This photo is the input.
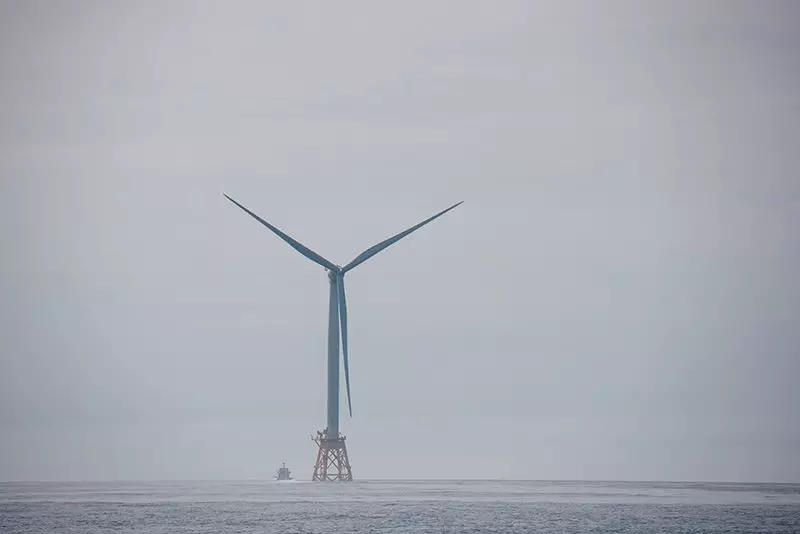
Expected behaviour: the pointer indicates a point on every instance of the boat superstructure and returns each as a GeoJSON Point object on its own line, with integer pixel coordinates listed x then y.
{"type": "Point", "coordinates": [284, 473]}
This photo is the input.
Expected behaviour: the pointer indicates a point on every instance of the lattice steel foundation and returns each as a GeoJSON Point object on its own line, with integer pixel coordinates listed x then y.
{"type": "Point", "coordinates": [333, 465]}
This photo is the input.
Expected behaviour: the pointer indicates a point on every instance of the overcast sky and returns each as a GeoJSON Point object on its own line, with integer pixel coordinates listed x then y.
{"type": "Point", "coordinates": [618, 297]}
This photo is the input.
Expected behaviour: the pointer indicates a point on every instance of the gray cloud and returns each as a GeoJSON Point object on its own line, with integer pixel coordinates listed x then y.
{"type": "Point", "coordinates": [617, 298]}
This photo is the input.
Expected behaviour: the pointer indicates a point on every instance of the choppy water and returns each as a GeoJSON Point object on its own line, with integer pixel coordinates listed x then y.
{"type": "Point", "coordinates": [400, 507]}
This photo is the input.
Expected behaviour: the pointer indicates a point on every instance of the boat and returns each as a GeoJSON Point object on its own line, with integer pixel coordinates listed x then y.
{"type": "Point", "coordinates": [284, 473]}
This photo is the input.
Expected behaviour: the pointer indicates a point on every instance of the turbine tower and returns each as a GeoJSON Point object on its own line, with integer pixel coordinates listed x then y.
{"type": "Point", "coordinates": [333, 463]}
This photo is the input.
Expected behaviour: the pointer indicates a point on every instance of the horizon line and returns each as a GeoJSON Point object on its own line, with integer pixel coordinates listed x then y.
{"type": "Point", "coordinates": [546, 480]}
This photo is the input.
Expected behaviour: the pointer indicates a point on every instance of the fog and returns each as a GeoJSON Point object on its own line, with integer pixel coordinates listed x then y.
{"type": "Point", "coordinates": [617, 298]}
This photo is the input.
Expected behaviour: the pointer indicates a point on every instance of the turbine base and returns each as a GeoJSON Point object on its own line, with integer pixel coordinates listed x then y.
{"type": "Point", "coordinates": [333, 464]}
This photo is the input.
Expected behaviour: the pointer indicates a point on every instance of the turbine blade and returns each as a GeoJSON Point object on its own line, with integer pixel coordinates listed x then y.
{"type": "Point", "coordinates": [343, 322]}
{"type": "Point", "coordinates": [367, 254]}
{"type": "Point", "coordinates": [299, 247]}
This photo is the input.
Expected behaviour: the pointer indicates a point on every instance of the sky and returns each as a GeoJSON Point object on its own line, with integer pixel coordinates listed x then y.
{"type": "Point", "coordinates": [617, 298]}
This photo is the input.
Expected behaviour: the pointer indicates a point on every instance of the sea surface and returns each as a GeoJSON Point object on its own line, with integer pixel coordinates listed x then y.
{"type": "Point", "coordinates": [399, 507]}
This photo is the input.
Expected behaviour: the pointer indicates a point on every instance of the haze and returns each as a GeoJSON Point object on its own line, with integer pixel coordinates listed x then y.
{"type": "Point", "coordinates": [617, 298]}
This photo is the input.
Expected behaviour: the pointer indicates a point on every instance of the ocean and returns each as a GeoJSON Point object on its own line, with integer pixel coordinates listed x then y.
{"type": "Point", "coordinates": [398, 507]}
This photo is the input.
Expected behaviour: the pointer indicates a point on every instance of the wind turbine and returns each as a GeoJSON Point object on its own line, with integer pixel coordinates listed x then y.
{"type": "Point", "coordinates": [332, 460]}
